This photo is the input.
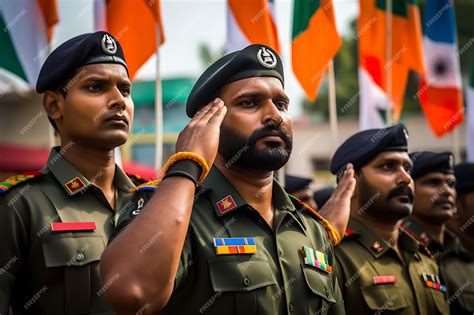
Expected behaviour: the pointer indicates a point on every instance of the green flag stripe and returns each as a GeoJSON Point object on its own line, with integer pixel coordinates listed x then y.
{"type": "Point", "coordinates": [303, 10]}
{"type": "Point", "coordinates": [399, 7]}
{"type": "Point", "coordinates": [8, 57]}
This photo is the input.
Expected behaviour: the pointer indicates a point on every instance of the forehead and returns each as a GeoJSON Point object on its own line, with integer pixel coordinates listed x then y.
{"type": "Point", "coordinates": [105, 70]}
{"type": "Point", "coordinates": [253, 85]}
{"type": "Point", "coordinates": [436, 175]}
{"type": "Point", "coordinates": [398, 156]}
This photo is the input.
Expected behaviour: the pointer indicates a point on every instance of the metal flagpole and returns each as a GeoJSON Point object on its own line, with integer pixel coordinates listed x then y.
{"type": "Point", "coordinates": [387, 66]}
{"type": "Point", "coordinates": [158, 107]}
{"type": "Point", "coordinates": [332, 103]}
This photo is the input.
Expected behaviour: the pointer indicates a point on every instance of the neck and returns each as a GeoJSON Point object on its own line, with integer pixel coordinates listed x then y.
{"type": "Point", "coordinates": [253, 185]}
{"type": "Point", "coordinates": [98, 166]}
{"type": "Point", "coordinates": [435, 231]}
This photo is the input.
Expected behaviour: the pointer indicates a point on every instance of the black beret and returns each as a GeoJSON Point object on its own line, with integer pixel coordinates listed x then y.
{"type": "Point", "coordinates": [295, 183]}
{"type": "Point", "coordinates": [425, 162]}
{"type": "Point", "coordinates": [464, 173]}
{"type": "Point", "coordinates": [363, 146]}
{"type": "Point", "coordinates": [321, 196]}
{"type": "Point", "coordinates": [252, 61]}
{"type": "Point", "coordinates": [85, 49]}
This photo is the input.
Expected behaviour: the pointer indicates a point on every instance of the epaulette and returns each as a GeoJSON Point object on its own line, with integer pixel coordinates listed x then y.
{"type": "Point", "coordinates": [13, 181]}
{"type": "Point", "coordinates": [333, 234]}
{"type": "Point", "coordinates": [137, 179]}
{"type": "Point", "coordinates": [148, 186]}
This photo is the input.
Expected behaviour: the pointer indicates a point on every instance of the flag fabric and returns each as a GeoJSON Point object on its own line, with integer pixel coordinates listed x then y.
{"type": "Point", "coordinates": [315, 42]}
{"type": "Point", "coordinates": [440, 89]}
{"type": "Point", "coordinates": [134, 24]}
{"type": "Point", "coordinates": [251, 22]}
{"type": "Point", "coordinates": [405, 55]}
{"type": "Point", "coordinates": [27, 27]}
{"type": "Point", "coordinates": [470, 113]}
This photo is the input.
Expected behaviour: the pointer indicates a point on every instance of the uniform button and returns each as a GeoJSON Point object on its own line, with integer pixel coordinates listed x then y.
{"type": "Point", "coordinates": [246, 281]}
{"type": "Point", "coordinates": [291, 307]}
{"type": "Point", "coordinates": [80, 257]}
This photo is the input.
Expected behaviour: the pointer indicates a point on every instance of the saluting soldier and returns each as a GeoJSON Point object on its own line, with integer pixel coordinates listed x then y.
{"type": "Point", "coordinates": [435, 205]}
{"type": "Point", "coordinates": [230, 241]}
{"type": "Point", "coordinates": [381, 269]}
{"type": "Point", "coordinates": [55, 223]}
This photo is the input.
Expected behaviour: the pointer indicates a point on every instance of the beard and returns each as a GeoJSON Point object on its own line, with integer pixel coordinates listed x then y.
{"type": "Point", "coordinates": [240, 151]}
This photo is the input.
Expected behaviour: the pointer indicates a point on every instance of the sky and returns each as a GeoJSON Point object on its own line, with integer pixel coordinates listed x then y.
{"type": "Point", "coordinates": [189, 23]}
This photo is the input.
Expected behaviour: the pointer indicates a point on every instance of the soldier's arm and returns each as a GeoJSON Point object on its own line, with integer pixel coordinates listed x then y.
{"type": "Point", "coordinates": [13, 244]}
{"type": "Point", "coordinates": [146, 278]}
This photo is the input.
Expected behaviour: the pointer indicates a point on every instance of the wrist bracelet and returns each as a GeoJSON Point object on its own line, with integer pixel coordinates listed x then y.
{"type": "Point", "coordinates": [187, 156]}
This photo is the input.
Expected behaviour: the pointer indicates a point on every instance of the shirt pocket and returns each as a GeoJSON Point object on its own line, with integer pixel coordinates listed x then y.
{"type": "Point", "coordinates": [320, 285]}
{"type": "Point", "coordinates": [385, 297]}
{"type": "Point", "coordinates": [248, 280]}
{"type": "Point", "coordinates": [440, 301]}
{"type": "Point", "coordinates": [78, 257]}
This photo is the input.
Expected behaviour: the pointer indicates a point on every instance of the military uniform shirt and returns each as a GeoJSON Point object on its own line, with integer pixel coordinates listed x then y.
{"type": "Point", "coordinates": [456, 266]}
{"type": "Point", "coordinates": [56, 272]}
{"type": "Point", "coordinates": [274, 280]}
{"type": "Point", "coordinates": [373, 279]}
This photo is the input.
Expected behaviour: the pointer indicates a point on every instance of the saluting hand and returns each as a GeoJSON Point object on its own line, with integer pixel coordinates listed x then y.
{"type": "Point", "coordinates": [201, 135]}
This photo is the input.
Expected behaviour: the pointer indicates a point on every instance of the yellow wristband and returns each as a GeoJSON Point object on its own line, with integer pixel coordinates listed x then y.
{"type": "Point", "coordinates": [188, 156]}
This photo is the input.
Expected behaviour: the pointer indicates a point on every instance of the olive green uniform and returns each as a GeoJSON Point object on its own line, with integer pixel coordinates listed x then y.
{"type": "Point", "coordinates": [373, 279]}
{"type": "Point", "coordinates": [456, 265]}
{"type": "Point", "coordinates": [56, 272]}
{"type": "Point", "coordinates": [274, 280]}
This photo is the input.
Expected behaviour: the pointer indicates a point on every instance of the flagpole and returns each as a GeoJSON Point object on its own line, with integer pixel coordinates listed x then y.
{"type": "Point", "coordinates": [158, 106]}
{"type": "Point", "coordinates": [456, 145]}
{"type": "Point", "coordinates": [332, 103]}
{"type": "Point", "coordinates": [387, 66]}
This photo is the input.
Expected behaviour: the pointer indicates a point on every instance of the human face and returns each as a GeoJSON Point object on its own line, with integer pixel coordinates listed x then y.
{"type": "Point", "coordinates": [98, 109]}
{"type": "Point", "coordinates": [385, 188]}
{"type": "Point", "coordinates": [257, 130]}
{"type": "Point", "coordinates": [435, 197]}
{"type": "Point", "coordinates": [465, 206]}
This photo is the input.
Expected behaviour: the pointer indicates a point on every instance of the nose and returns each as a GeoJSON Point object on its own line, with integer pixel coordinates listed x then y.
{"type": "Point", "coordinates": [271, 113]}
{"type": "Point", "coordinates": [404, 178]}
{"type": "Point", "coordinates": [117, 100]}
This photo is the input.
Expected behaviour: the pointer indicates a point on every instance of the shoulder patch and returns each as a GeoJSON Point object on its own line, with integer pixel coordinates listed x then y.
{"type": "Point", "coordinates": [148, 186]}
{"type": "Point", "coordinates": [15, 180]}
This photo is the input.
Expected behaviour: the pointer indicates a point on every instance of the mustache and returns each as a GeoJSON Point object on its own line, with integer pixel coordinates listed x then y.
{"type": "Point", "coordinates": [268, 130]}
{"type": "Point", "coordinates": [402, 190]}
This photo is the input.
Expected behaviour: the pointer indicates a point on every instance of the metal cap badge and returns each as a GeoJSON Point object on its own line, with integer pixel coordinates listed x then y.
{"type": "Point", "coordinates": [266, 58]}
{"type": "Point", "coordinates": [108, 45]}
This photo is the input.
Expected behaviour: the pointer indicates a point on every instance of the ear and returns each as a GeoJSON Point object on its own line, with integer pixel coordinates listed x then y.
{"type": "Point", "coordinates": [53, 103]}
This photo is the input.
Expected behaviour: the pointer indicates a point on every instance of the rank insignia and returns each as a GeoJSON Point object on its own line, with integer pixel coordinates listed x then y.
{"type": "Point", "coordinates": [316, 259]}
{"type": "Point", "coordinates": [72, 226]}
{"type": "Point", "coordinates": [235, 245]}
{"type": "Point", "coordinates": [384, 279]}
{"type": "Point", "coordinates": [74, 185]}
{"type": "Point", "coordinates": [377, 247]}
{"type": "Point", "coordinates": [226, 204]}
{"type": "Point", "coordinates": [432, 281]}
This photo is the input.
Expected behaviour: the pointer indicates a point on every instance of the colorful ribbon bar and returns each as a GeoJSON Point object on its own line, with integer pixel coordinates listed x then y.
{"type": "Point", "coordinates": [316, 259]}
{"type": "Point", "coordinates": [384, 279]}
{"type": "Point", "coordinates": [235, 245]}
{"type": "Point", "coordinates": [72, 226]}
{"type": "Point", "coordinates": [432, 281]}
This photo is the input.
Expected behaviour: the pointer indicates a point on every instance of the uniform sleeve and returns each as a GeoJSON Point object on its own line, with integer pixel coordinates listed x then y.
{"type": "Point", "coordinates": [13, 243]}
{"type": "Point", "coordinates": [337, 308]}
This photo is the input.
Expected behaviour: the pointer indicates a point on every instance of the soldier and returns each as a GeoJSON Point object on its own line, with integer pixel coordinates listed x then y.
{"type": "Point", "coordinates": [237, 244]}
{"type": "Point", "coordinates": [435, 204]}
{"type": "Point", "coordinates": [299, 187]}
{"type": "Point", "coordinates": [379, 268]}
{"type": "Point", "coordinates": [55, 223]}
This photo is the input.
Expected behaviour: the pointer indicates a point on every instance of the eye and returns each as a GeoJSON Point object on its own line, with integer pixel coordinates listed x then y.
{"type": "Point", "coordinates": [247, 104]}
{"type": "Point", "coordinates": [281, 105]}
{"type": "Point", "coordinates": [451, 183]}
{"type": "Point", "coordinates": [125, 90]}
{"type": "Point", "coordinates": [387, 167]}
{"type": "Point", "coordinates": [408, 168]}
{"type": "Point", "coordinates": [94, 88]}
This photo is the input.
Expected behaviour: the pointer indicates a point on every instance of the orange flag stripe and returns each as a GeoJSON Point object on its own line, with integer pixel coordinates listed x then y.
{"type": "Point", "coordinates": [49, 10]}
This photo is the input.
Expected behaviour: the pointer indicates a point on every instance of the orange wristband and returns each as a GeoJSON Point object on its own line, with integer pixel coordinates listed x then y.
{"type": "Point", "coordinates": [188, 156]}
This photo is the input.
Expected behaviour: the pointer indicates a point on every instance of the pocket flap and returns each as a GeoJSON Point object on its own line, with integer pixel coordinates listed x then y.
{"type": "Point", "coordinates": [319, 283]}
{"type": "Point", "coordinates": [384, 296]}
{"type": "Point", "coordinates": [234, 274]}
{"type": "Point", "coordinates": [72, 251]}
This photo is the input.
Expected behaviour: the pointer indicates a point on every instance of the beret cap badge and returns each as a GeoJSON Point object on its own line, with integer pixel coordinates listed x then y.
{"type": "Point", "coordinates": [108, 45]}
{"type": "Point", "coordinates": [266, 58]}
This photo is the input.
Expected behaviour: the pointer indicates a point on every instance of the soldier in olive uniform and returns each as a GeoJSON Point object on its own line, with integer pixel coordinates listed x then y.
{"type": "Point", "coordinates": [381, 269]}
{"type": "Point", "coordinates": [435, 204]}
{"type": "Point", "coordinates": [237, 244]}
{"type": "Point", "coordinates": [55, 223]}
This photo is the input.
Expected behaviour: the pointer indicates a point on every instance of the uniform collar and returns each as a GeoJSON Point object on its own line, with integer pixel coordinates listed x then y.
{"type": "Point", "coordinates": [73, 181]}
{"type": "Point", "coordinates": [226, 199]}
{"type": "Point", "coordinates": [367, 238]}
{"type": "Point", "coordinates": [417, 232]}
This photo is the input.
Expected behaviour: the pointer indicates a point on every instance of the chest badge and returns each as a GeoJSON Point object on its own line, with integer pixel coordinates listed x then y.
{"type": "Point", "coordinates": [72, 226]}
{"type": "Point", "coordinates": [226, 204]}
{"type": "Point", "coordinates": [315, 258]}
{"type": "Point", "coordinates": [235, 245]}
{"type": "Point", "coordinates": [384, 279]}
{"type": "Point", "coordinates": [432, 281]}
{"type": "Point", "coordinates": [74, 185]}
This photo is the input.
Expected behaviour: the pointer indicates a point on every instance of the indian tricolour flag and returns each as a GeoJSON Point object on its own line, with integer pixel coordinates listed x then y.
{"type": "Point", "coordinates": [470, 113]}
{"type": "Point", "coordinates": [25, 34]}
{"type": "Point", "coordinates": [251, 22]}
